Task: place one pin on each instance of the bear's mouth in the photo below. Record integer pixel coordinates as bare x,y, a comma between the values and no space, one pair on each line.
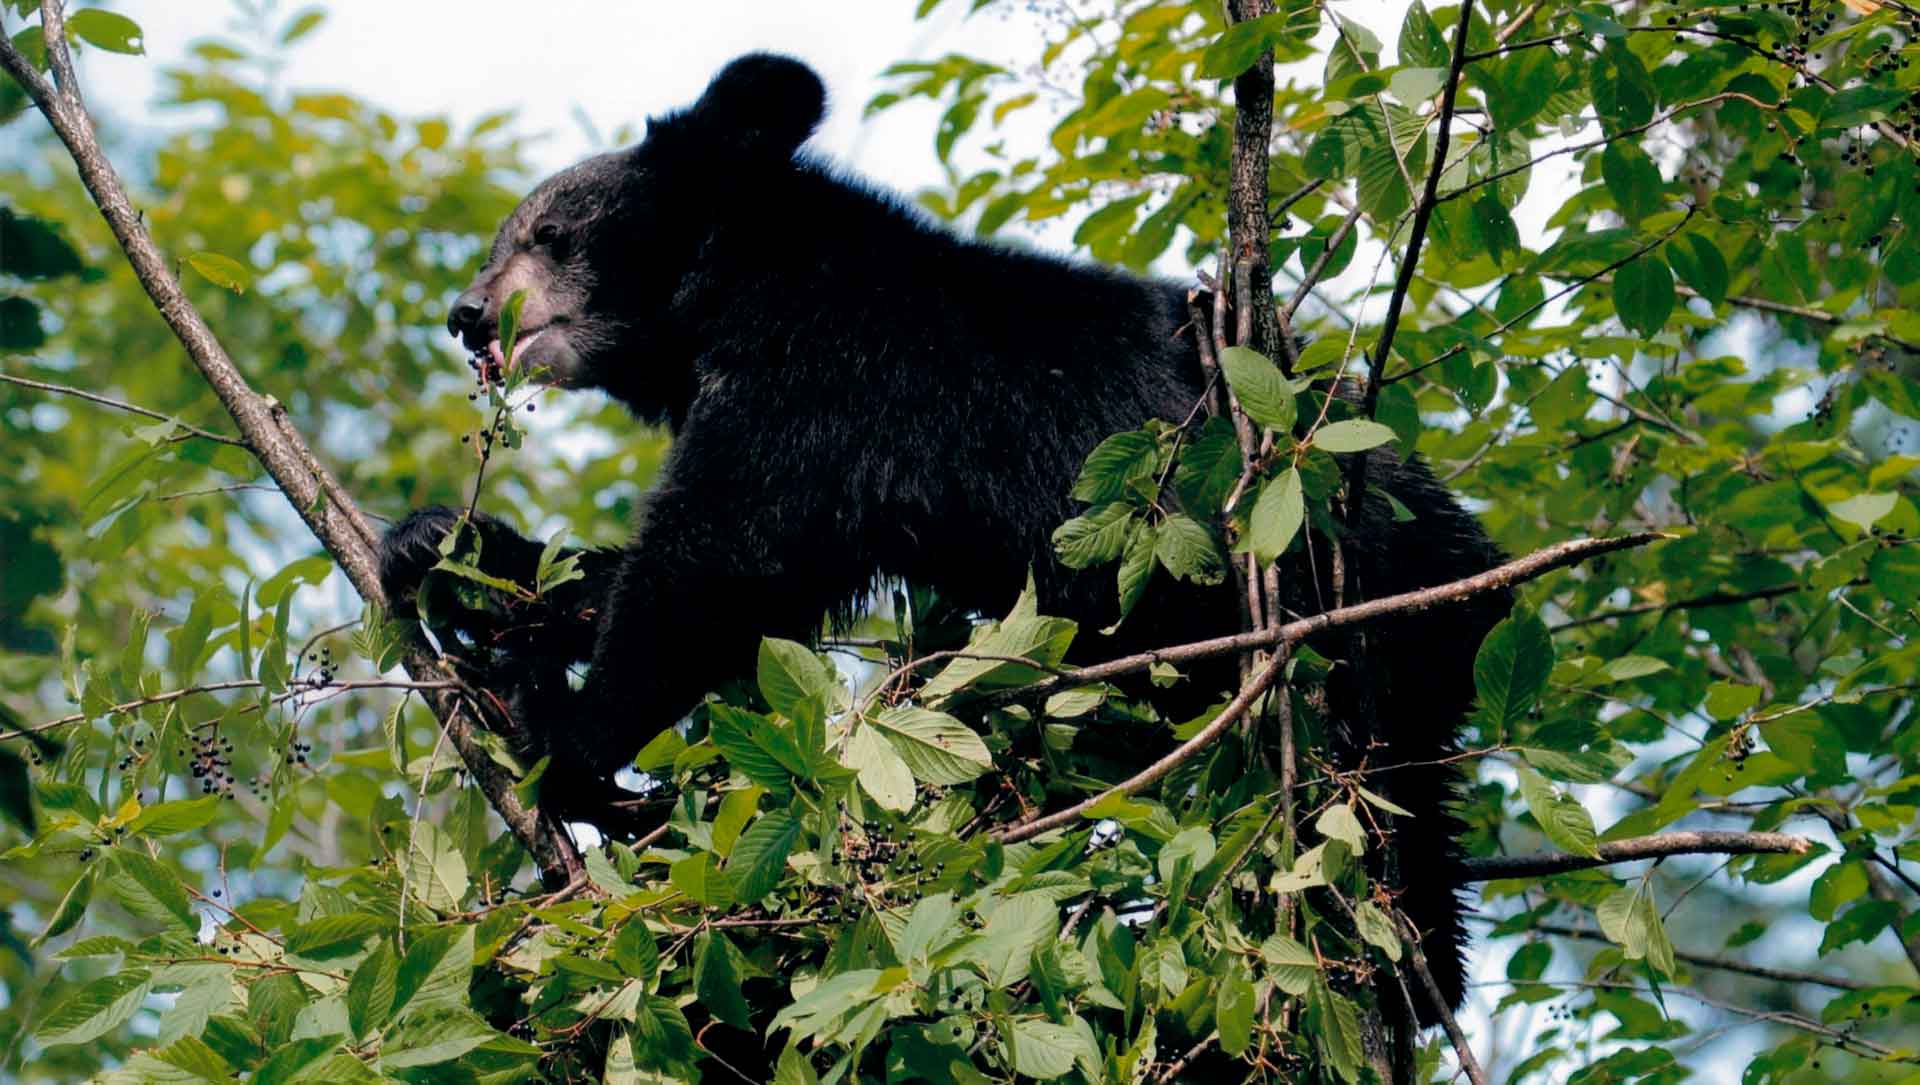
491,362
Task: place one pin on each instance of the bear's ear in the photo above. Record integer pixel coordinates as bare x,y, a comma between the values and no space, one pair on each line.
763,103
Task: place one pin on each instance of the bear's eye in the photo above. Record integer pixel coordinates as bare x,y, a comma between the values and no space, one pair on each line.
546,233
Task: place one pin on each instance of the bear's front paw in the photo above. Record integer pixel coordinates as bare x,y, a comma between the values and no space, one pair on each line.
410,549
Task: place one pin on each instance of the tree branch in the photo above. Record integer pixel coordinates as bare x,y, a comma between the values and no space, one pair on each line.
1518,571
1792,976
119,405
1655,846
314,495
1514,572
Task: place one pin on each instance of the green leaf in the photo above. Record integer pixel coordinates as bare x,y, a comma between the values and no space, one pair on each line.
882,772
1699,264
1208,469
1499,235
107,30
167,818
436,970
1233,1008
1895,571
1041,1049
699,878
1262,390
327,936
1864,510
1420,40
1098,537
220,270
1114,465
150,890
1136,568
634,950
1277,515
1186,549
717,977
437,1036
95,1009
793,680
1338,822
1633,180
371,990
1377,929
1240,45
1352,435
435,871
761,854
936,747
72,906
741,736
1511,669
1291,965
301,25
1643,295
1561,817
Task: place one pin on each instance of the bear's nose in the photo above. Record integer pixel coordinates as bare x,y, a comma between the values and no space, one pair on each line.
467,312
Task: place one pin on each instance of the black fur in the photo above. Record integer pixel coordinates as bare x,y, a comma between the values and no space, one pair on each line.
854,393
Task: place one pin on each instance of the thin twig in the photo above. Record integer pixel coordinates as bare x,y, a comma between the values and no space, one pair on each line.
121,405
1792,976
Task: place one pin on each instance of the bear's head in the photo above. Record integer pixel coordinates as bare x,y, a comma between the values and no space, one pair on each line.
600,249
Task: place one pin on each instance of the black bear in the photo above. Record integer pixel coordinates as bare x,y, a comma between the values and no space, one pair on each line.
855,393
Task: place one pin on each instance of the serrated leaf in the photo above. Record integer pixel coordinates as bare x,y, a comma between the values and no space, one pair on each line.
1233,1008
1262,390
717,978
634,950
438,1036
1561,817
1277,515
150,891
1511,669
167,818
1351,435
793,680
1114,464
436,872
1377,929
1340,823
371,990
1186,549
95,1009
760,855
1041,1049
882,772
937,748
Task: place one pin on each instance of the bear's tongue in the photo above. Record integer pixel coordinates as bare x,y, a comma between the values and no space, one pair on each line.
493,353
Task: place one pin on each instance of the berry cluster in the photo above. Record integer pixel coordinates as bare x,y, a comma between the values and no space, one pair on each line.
883,869
212,763
324,667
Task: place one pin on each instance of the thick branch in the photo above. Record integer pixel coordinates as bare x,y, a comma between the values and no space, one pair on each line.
315,497
1656,846
1248,227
